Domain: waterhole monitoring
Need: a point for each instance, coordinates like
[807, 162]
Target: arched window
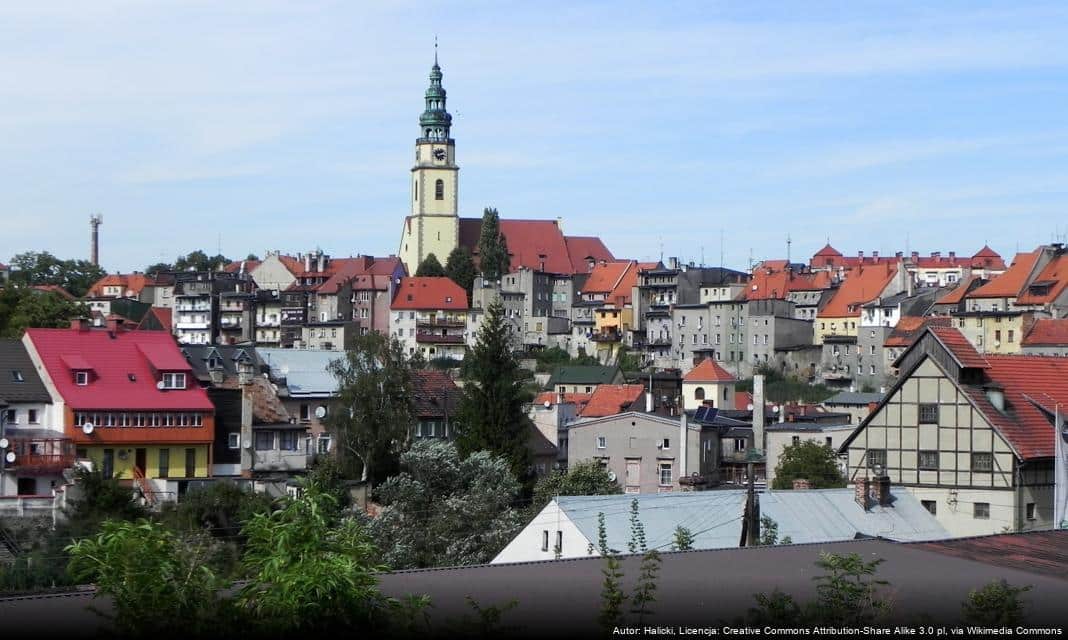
[439, 190]
[699, 393]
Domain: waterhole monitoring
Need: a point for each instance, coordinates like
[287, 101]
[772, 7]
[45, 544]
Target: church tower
[433, 226]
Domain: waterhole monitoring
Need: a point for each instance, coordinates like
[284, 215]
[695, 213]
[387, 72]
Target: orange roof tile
[908, 327]
[553, 398]
[957, 294]
[708, 371]
[1010, 283]
[539, 245]
[956, 343]
[861, 285]
[1048, 284]
[133, 282]
[429, 293]
[610, 399]
[772, 280]
[828, 250]
[1047, 332]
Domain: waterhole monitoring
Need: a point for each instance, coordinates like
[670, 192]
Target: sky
[712, 131]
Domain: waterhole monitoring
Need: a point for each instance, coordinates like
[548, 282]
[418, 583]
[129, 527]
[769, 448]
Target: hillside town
[901, 404]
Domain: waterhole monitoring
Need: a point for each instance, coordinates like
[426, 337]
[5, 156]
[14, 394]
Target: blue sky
[282, 125]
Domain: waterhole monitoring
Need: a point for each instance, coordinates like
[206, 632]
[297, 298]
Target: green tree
[222, 509]
[327, 476]
[157, 581]
[586, 478]
[309, 571]
[446, 510]
[37, 268]
[776, 609]
[430, 267]
[22, 308]
[613, 598]
[200, 261]
[998, 604]
[375, 411]
[848, 593]
[159, 267]
[100, 499]
[252, 257]
[811, 461]
[645, 590]
[493, 257]
[683, 539]
[460, 267]
[769, 532]
[491, 413]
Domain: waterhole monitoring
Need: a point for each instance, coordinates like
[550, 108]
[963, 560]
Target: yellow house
[841, 316]
[994, 331]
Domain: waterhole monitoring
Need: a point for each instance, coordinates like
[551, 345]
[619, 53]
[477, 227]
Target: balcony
[194, 326]
[607, 336]
[437, 338]
[230, 323]
[42, 456]
[659, 342]
[441, 322]
[268, 322]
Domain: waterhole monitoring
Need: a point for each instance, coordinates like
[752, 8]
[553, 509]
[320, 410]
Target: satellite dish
[320, 412]
[4, 443]
[159, 385]
[548, 404]
[611, 476]
[87, 428]
[10, 457]
[749, 407]
[775, 408]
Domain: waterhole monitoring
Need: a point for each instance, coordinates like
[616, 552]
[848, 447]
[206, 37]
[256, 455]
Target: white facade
[550, 535]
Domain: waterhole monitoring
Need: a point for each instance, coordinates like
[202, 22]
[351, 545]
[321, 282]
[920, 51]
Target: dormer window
[213, 363]
[173, 381]
[16, 376]
[81, 378]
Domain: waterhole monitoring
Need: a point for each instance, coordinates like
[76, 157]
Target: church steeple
[435, 122]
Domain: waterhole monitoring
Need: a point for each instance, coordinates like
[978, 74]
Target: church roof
[539, 245]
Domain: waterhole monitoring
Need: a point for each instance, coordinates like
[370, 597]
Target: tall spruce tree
[492, 247]
[491, 408]
[430, 266]
[460, 268]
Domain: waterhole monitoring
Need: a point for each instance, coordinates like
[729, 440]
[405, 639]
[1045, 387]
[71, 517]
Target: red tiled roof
[610, 399]
[345, 269]
[552, 397]
[416, 292]
[986, 252]
[828, 250]
[742, 399]
[235, 266]
[164, 315]
[1054, 275]
[580, 249]
[908, 327]
[861, 285]
[959, 346]
[772, 280]
[114, 360]
[615, 280]
[957, 293]
[1047, 332]
[708, 371]
[987, 258]
[436, 395]
[537, 244]
[133, 282]
[1010, 283]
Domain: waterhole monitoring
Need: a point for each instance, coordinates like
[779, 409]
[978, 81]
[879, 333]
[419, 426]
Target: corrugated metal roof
[305, 370]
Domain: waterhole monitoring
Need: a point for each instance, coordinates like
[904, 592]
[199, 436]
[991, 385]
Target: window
[982, 462]
[699, 393]
[739, 444]
[666, 444]
[264, 440]
[16, 376]
[81, 378]
[164, 462]
[929, 460]
[305, 413]
[928, 413]
[1012, 336]
[545, 540]
[559, 542]
[602, 442]
[589, 389]
[829, 442]
[982, 511]
[439, 190]
[324, 443]
[288, 441]
[190, 463]
[12, 416]
[876, 458]
[665, 474]
[1030, 510]
[931, 506]
[31, 416]
[233, 440]
[174, 381]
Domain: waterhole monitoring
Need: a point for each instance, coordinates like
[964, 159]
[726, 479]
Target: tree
[769, 532]
[309, 571]
[375, 411]
[998, 604]
[848, 594]
[460, 267]
[159, 267]
[252, 257]
[101, 499]
[492, 247]
[683, 539]
[222, 509]
[200, 261]
[586, 478]
[491, 414]
[38, 268]
[811, 461]
[430, 267]
[446, 510]
[22, 308]
[157, 581]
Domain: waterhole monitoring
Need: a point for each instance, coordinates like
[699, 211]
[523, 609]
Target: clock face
[439, 154]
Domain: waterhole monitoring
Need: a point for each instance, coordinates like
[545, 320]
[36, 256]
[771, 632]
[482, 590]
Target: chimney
[114, 325]
[860, 493]
[758, 412]
[915, 255]
[244, 378]
[802, 484]
[648, 401]
[860, 254]
[307, 262]
[875, 255]
[899, 254]
[80, 325]
[682, 444]
[952, 255]
[882, 491]
[322, 260]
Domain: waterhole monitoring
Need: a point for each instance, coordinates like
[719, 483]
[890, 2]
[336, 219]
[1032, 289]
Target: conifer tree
[430, 267]
[492, 247]
[460, 268]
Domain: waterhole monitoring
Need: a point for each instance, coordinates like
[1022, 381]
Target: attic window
[132, 377]
[409, 297]
[81, 378]
[213, 363]
[173, 381]
[448, 298]
[16, 376]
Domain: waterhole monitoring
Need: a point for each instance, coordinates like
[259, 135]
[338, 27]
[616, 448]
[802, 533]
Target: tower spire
[435, 122]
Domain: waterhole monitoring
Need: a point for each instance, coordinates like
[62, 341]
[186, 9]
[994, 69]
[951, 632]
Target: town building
[583, 378]
[307, 388]
[437, 400]
[1047, 337]
[430, 316]
[781, 435]
[708, 384]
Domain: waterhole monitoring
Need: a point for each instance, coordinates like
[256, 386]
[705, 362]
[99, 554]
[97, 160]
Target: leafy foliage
[200, 261]
[492, 247]
[491, 416]
[585, 478]
[35, 268]
[460, 267]
[769, 532]
[327, 476]
[998, 604]
[645, 590]
[375, 386]
[683, 539]
[222, 509]
[430, 267]
[781, 388]
[613, 599]
[157, 581]
[776, 609]
[809, 460]
[486, 622]
[101, 499]
[443, 510]
[22, 308]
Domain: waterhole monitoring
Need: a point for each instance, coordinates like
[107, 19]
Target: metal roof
[854, 397]
[304, 370]
[19, 381]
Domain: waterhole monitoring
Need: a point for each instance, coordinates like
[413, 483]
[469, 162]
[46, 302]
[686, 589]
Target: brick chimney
[115, 325]
[860, 493]
[802, 484]
[882, 491]
[79, 324]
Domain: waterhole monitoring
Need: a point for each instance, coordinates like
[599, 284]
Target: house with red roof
[129, 403]
[608, 293]
[708, 384]
[1047, 337]
[1001, 292]
[935, 270]
[841, 315]
[430, 316]
[970, 435]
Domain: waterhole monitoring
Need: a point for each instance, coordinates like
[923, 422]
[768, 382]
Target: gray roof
[15, 363]
[304, 370]
[584, 374]
[227, 355]
[854, 397]
[715, 517]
